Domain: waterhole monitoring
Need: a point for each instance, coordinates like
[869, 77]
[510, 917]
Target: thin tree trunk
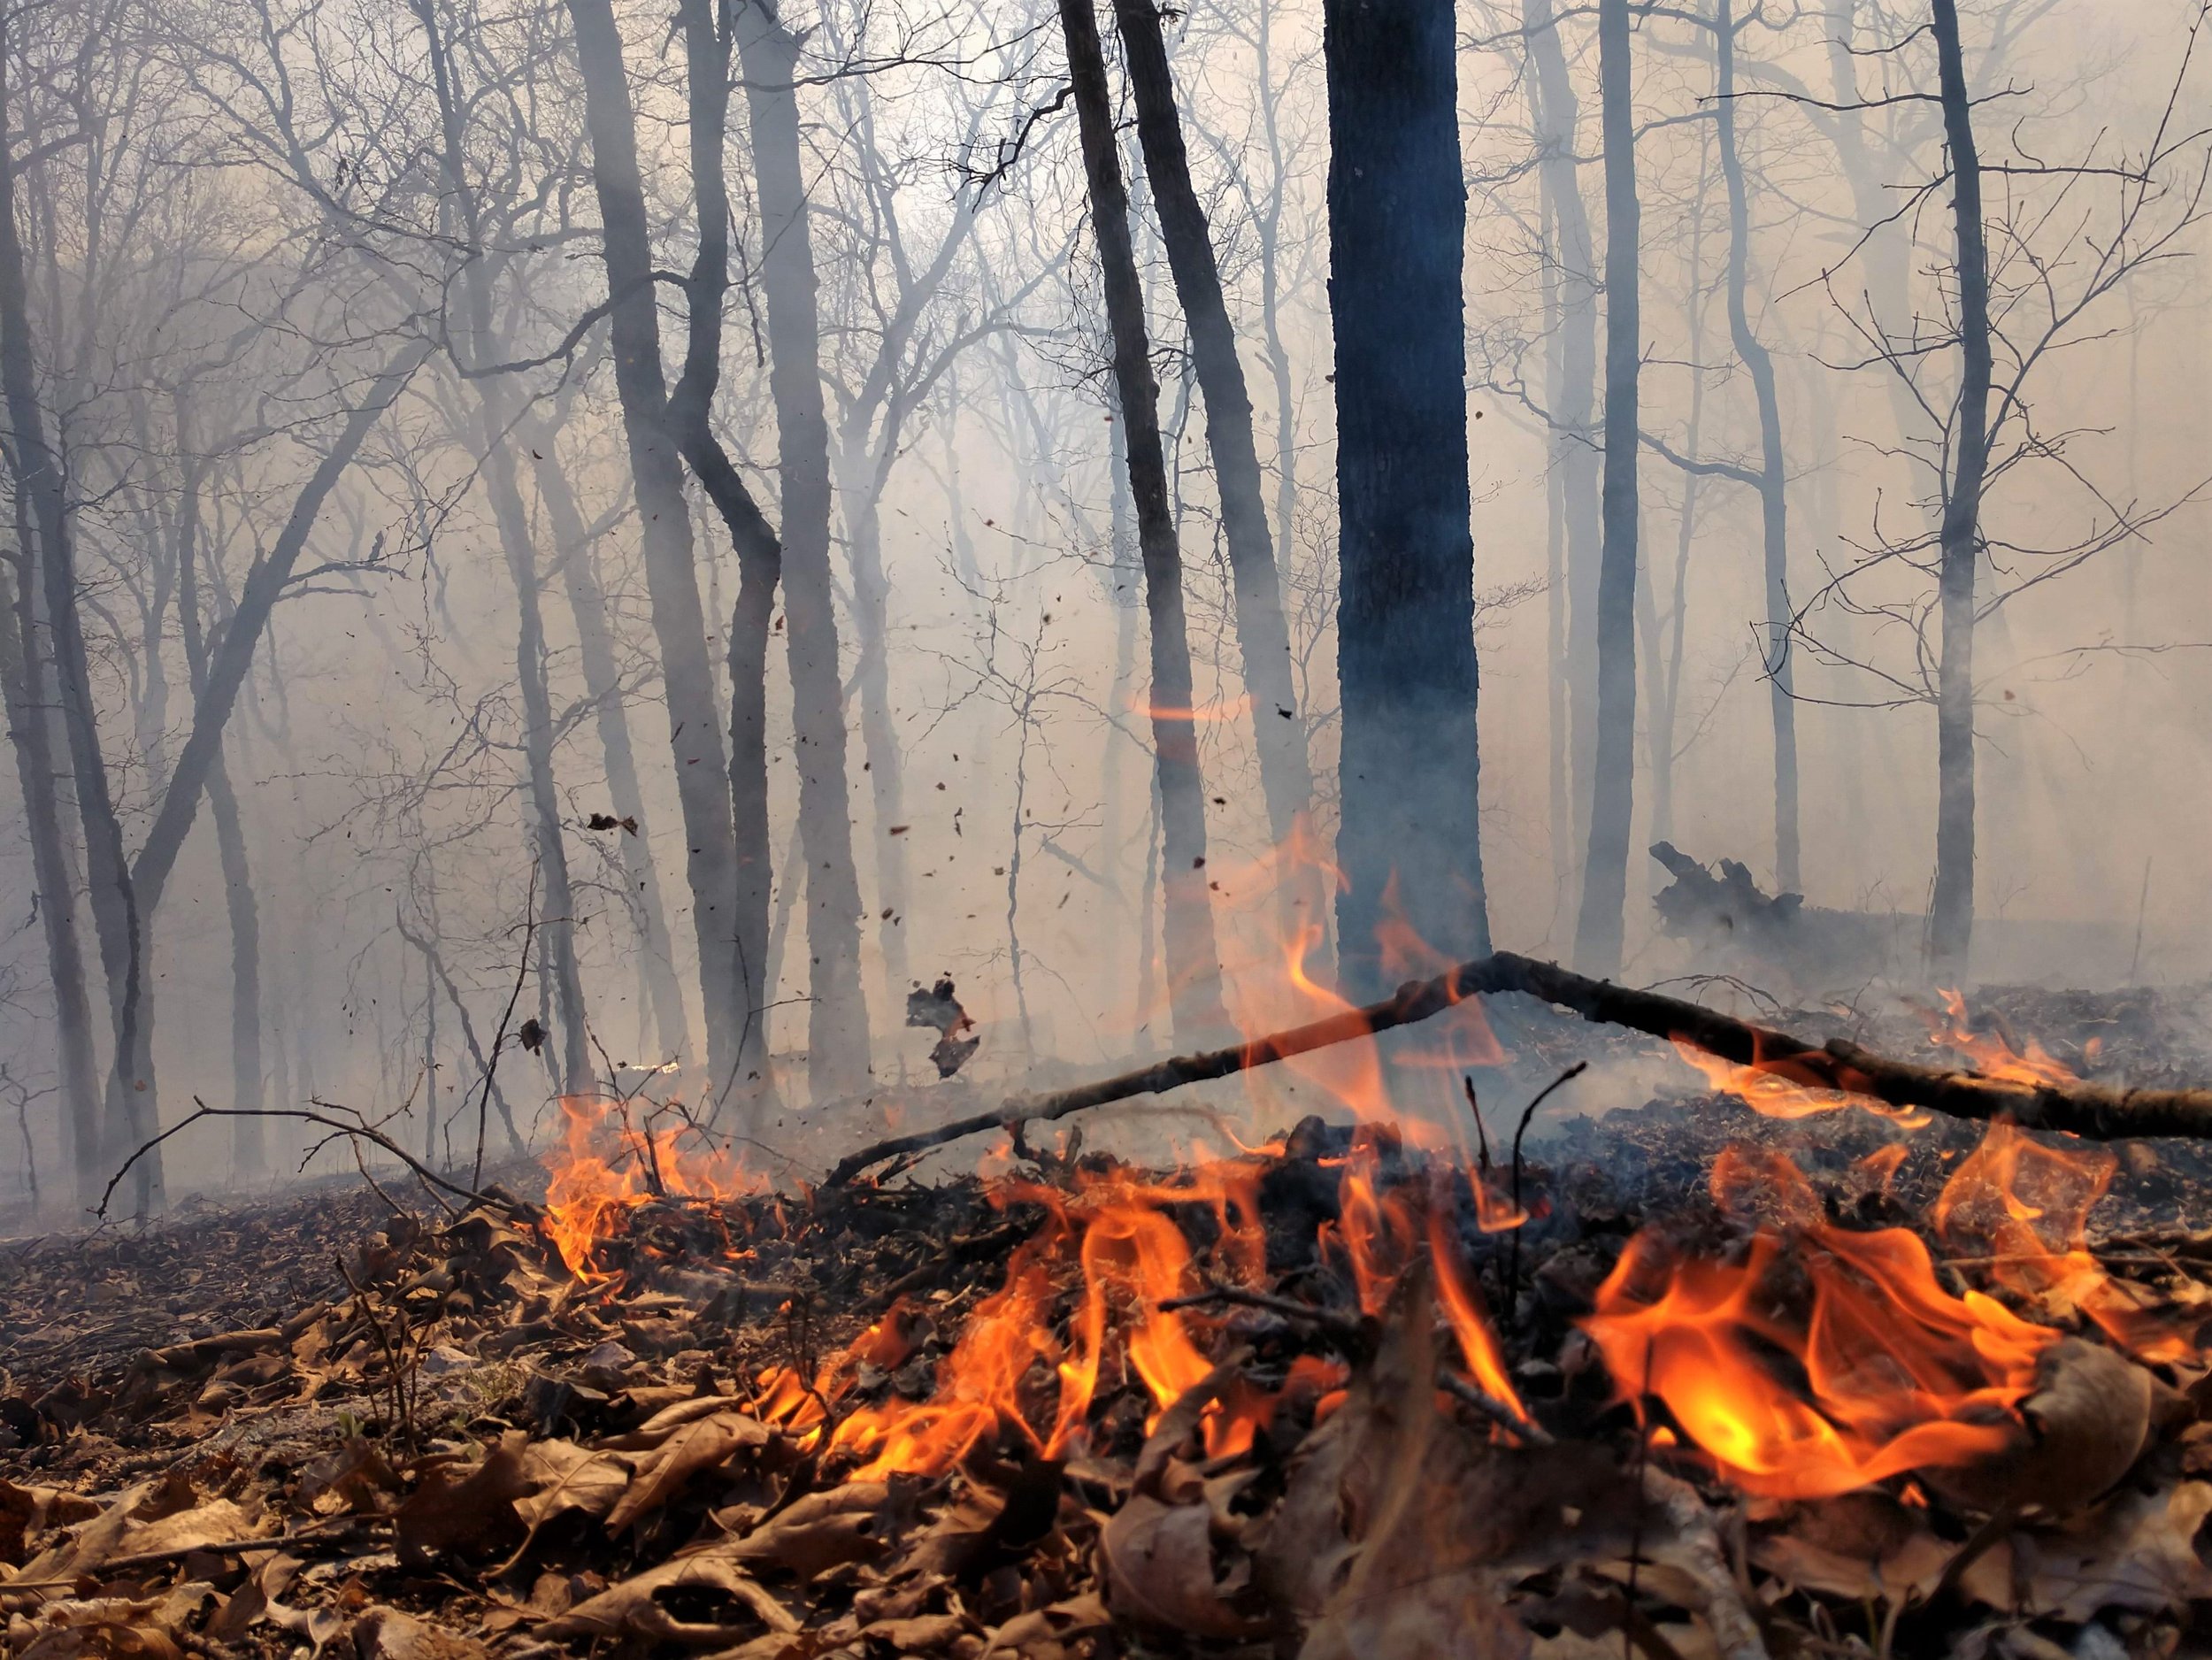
[1406, 639]
[1560, 816]
[1773, 494]
[586, 596]
[861, 493]
[1263, 636]
[1572, 396]
[131, 1114]
[703, 770]
[838, 1041]
[1194, 962]
[1598, 935]
[1951, 918]
[24, 681]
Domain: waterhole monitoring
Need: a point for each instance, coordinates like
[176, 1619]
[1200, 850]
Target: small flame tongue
[1889, 1372]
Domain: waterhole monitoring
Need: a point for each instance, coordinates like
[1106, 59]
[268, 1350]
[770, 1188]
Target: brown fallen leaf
[696, 1444]
[565, 1477]
[471, 1516]
[2087, 1419]
[1868, 1547]
[27, 1513]
[2138, 1551]
[632, 1607]
[386, 1633]
[1044, 1633]
[117, 1628]
[822, 1529]
[1159, 1565]
[216, 1522]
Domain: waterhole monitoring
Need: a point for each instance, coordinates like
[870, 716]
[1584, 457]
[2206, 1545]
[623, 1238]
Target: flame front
[1888, 1372]
[605, 1167]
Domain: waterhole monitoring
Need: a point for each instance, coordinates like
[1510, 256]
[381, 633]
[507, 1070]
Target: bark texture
[1263, 636]
[837, 1013]
[1194, 962]
[1612, 795]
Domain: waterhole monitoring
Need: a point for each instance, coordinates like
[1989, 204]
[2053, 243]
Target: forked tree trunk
[1262, 636]
[1951, 916]
[1773, 482]
[1598, 935]
[702, 769]
[25, 684]
[1406, 639]
[838, 1044]
[1193, 961]
[130, 1115]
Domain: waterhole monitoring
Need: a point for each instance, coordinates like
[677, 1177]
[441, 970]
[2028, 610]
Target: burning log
[2078, 1108]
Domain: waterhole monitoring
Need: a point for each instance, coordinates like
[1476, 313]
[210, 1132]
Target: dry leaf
[697, 1443]
[2138, 1551]
[386, 1633]
[1159, 1565]
[565, 1476]
[818, 1533]
[632, 1608]
[2087, 1419]
[473, 1516]
[216, 1522]
[1044, 1633]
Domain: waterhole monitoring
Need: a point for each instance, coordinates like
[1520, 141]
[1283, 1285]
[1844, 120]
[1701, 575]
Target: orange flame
[2027, 1203]
[605, 1167]
[1886, 1374]
[1991, 1056]
[1779, 1089]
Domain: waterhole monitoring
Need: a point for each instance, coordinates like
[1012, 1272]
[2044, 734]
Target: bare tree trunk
[24, 681]
[1560, 816]
[1263, 636]
[1598, 935]
[703, 770]
[838, 1040]
[1951, 916]
[1193, 961]
[861, 493]
[586, 596]
[1773, 492]
[1406, 638]
[1572, 374]
[131, 1114]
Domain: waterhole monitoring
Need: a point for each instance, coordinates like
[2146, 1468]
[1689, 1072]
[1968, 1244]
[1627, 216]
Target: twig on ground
[1529, 1431]
[1333, 1321]
[2094, 1110]
[1528, 1115]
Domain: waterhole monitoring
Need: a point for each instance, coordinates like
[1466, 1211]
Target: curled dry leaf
[821, 1530]
[2087, 1419]
[471, 1516]
[115, 1628]
[1867, 1547]
[565, 1477]
[697, 1443]
[27, 1513]
[216, 1522]
[1159, 1564]
[632, 1607]
[386, 1633]
[2138, 1551]
[1046, 1633]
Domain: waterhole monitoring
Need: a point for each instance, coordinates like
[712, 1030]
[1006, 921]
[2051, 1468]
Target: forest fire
[606, 1166]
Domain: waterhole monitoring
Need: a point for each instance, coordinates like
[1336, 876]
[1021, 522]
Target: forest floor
[967, 1418]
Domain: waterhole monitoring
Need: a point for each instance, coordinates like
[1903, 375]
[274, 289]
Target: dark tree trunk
[1194, 962]
[1612, 797]
[1406, 641]
[1951, 916]
[838, 1044]
[1571, 374]
[1773, 495]
[702, 769]
[1263, 636]
[23, 678]
[131, 1114]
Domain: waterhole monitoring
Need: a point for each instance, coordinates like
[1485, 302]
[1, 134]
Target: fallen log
[2094, 1110]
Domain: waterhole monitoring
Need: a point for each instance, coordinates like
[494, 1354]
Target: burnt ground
[443, 1428]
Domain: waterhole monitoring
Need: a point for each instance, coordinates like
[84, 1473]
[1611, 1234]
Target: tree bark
[1571, 374]
[1193, 961]
[1773, 494]
[1951, 915]
[1406, 642]
[131, 1111]
[703, 770]
[596, 653]
[837, 1042]
[1263, 636]
[1612, 797]
[23, 679]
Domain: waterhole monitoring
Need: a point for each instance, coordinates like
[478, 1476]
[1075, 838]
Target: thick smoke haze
[234, 216]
